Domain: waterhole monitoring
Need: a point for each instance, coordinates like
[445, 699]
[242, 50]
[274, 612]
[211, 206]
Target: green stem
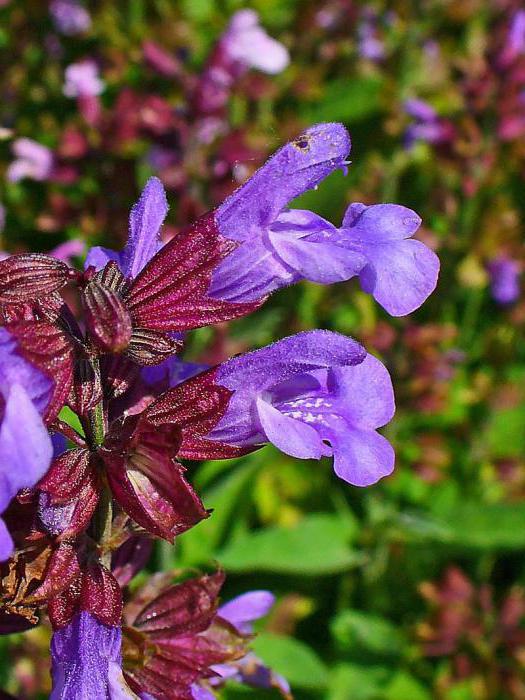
[101, 523]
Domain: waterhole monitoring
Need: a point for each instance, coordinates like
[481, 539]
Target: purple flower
[87, 662]
[504, 280]
[69, 249]
[312, 395]
[515, 43]
[428, 126]
[277, 246]
[25, 446]
[241, 612]
[69, 17]
[83, 80]
[369, 45]
[246, 43]
[400, 272]
[33, 160]
[145, 222]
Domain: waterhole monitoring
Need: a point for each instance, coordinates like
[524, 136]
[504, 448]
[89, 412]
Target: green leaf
[358, 682]
[198, 545]
[293, 659]
[346, 100]
[404, 686]
[314, 546]
[469, 524]
[505, 434]
[357, 632]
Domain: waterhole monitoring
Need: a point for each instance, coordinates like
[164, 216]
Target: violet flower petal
[293, 437]
[400, 273]
[86, 661]
[98, 257]
[244, 609]
[252, 374]
[361, 457]
[145, 221]
[298, 166]
[250, 272]
[6, 542]
[400, 277]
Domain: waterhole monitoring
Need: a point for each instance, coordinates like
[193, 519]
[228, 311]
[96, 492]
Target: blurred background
[411, 589]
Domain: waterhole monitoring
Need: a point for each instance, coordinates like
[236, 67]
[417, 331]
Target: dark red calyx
[62, 570]
[28, 277]
[86, 390]
[171, 292]
[186, 608]
[167, 646]
[146, 481]
[107, 319]
[73, 479]
[147, 347]
[95, 591]
[51, 350]
[195, 406]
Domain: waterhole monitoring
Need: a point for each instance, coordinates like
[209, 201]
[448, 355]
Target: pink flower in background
[244, 45]
[246, 42]
[32, 160]
[83, 80]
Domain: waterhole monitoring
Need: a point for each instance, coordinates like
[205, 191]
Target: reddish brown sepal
[196, 406]
[51, 350]
[73, 477]
[172, 637]
[86, 390]
[62, 607]
[100, 594]
[184, 609]
[63, 569]
[107, 319]
[28, 277]
[171, 292]
[95, 591]
[147, 347]
[146, 482]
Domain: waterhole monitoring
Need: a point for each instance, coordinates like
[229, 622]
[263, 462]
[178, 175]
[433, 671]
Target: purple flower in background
[277, 246]
[246, 43]
[515, 40]
[400, 272]
[312, 395]
[25, 446]
[428, 126]
[87, 662]
[83, 80]
[504, 275]
[2, 217]
[69, 17]
[69, 249]
[369, 44]
[33, 160]
[145, 222]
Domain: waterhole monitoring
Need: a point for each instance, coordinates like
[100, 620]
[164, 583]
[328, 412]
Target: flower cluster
[76, 508]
